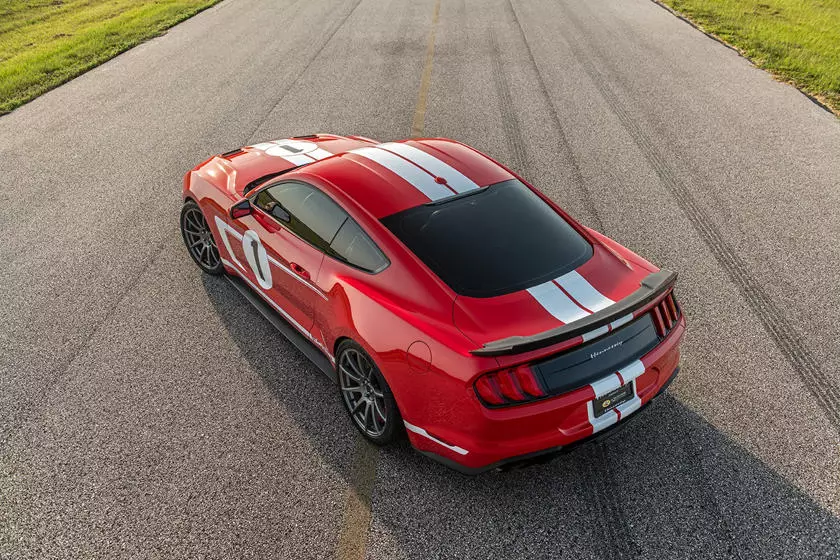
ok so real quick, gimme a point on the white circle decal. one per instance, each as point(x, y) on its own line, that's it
point(257, 258)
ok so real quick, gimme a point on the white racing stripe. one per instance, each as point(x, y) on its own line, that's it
point(621, 321)
point(296, 152)
point(225, 229)
point(319, 153)
point(632, 371)
point(298, 159)
point(576, 302)
point(605, 385)
point(583, 292)
point(420, 431)
point(409, 172)
point(290, 153)
point(557, 303)
point(627, 374)
point(454, 178)
point(600, 331)
point(604, 421)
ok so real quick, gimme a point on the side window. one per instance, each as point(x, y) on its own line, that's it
point(321, 222)
point(303, 209)
point(355, 247)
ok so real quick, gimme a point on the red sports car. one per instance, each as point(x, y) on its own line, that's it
point(442, 292)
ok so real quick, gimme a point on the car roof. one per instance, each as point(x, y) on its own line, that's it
point(395, 176)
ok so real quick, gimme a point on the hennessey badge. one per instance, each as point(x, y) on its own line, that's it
point(608, 348)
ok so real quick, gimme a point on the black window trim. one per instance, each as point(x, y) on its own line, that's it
point(252, 195)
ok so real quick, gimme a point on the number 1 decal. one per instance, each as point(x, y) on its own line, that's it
point(254, 251)
point(257, 258)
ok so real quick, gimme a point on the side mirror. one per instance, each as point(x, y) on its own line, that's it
point(240, 209)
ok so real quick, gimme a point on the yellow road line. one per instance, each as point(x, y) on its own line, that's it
point(420, 112)
point(355, 524)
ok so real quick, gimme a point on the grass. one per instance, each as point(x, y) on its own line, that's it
point(44, 43)
point(797, 40)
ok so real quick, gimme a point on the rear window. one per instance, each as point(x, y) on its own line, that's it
point(492, 241)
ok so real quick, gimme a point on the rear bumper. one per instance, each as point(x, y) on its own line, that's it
point(546, 455)
point(502, 438)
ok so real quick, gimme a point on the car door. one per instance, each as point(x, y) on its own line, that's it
point(293, 223)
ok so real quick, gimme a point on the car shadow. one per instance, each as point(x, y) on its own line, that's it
point(668, 485)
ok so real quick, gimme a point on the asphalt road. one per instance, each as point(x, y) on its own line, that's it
point(147, 411)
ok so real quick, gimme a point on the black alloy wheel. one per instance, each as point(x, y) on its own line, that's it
point(366, 395)
point(199, 239)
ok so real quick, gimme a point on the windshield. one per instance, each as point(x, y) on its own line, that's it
point(492, 241)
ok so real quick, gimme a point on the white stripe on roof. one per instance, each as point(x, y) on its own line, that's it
point(454, 178)
point(409, 172)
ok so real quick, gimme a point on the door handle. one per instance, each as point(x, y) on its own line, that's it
point(299, 270)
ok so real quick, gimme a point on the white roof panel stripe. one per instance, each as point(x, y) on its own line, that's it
point(418, 178)
point(454, 178)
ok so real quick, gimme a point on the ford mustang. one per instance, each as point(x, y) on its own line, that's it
point(447, 298)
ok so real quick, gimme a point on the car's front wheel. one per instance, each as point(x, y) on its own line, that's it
point(366, 395)
point(199, 239)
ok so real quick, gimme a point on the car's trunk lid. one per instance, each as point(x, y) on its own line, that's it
point(593, 289)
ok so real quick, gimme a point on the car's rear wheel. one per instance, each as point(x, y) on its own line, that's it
point(199, 239)
point(366, 395)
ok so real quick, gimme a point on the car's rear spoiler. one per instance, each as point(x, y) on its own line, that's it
point(651, 288)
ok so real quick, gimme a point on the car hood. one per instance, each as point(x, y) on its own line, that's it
point(237, 171)
point(610, 275)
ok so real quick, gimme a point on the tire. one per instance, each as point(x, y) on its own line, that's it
point(366, 396)
point(199, 240)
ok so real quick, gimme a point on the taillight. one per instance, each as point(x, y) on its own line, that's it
point(672, 305)
point(509, 386)
point(665, 315)
point(528, 381)
point(658, 321)
point(488, 390)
